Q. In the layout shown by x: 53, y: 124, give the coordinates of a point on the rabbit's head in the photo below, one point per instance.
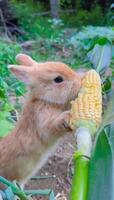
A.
x: 52, y: 82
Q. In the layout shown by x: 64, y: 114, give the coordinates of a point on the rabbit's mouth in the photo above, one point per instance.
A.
x: 70, y: 100
x: 75, y: 90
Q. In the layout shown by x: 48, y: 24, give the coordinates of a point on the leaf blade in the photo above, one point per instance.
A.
x: 100, y: 56
x: 100, y: 184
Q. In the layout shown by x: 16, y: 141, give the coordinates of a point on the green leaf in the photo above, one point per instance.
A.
x: 108, y: 117
x: 107, y: 84
x: 100, y: 184
x: 5, y: 127
x: 100, y: 56
x: 8, y: 107
x: 102, y: 41
x: 20, y: 90
x: 111, y: 134
x: 2, y: 93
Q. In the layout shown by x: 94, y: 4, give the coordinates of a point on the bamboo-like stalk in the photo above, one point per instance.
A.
x: 80, y: 178
x: 81, y: 165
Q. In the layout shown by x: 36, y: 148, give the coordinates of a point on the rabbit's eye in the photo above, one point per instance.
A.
x: 58, y: 79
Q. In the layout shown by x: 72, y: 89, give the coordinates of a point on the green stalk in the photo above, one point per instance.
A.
x: 80, y: 178
x: 79, y: 187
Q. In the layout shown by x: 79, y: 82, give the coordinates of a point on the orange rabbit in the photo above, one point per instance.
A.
x: 44, y: 120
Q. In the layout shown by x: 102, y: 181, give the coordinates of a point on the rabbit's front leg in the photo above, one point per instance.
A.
x: 62, y: 122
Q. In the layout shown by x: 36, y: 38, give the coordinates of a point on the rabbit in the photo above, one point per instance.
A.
x: 44, y: 119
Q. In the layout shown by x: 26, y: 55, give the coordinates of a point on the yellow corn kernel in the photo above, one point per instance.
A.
x: 88, y: 104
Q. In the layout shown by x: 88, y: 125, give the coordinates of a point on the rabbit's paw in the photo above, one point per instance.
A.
x: 62, y: 122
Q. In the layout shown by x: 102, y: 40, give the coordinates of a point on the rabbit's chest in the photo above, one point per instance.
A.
x: 48, y: 117
x: 46, y: 126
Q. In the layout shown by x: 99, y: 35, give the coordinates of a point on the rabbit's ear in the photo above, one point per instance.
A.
x: 23, y: 73
x: 24, y: 59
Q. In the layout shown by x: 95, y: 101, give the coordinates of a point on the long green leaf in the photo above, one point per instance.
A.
x: 100, y: 56
x: 108, y: 117
x: 111, y: 136
x: 101, y: 170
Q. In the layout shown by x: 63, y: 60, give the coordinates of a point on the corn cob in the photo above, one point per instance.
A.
x: 88, y: 106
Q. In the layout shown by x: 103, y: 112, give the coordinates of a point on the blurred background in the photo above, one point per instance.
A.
x: 61, y: 30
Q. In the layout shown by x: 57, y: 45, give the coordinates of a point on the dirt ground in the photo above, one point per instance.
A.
x: 60, y: 168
